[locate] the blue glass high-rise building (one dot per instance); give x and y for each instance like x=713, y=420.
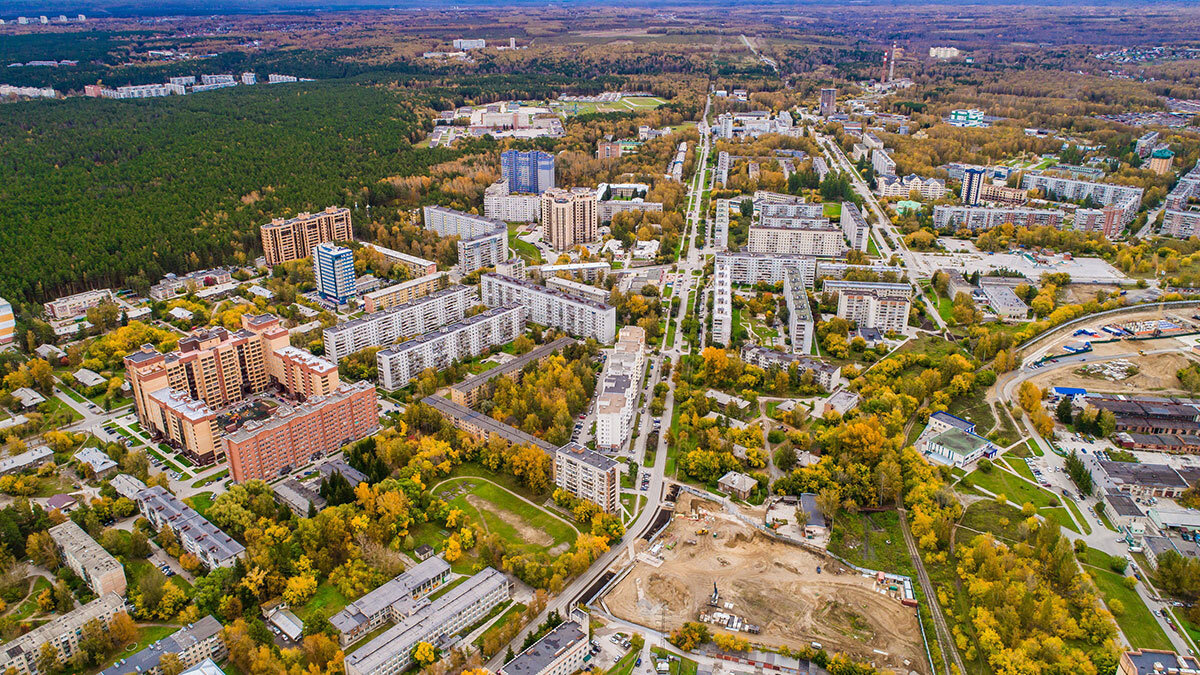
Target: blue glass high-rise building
x=333, y=267
x=531, y=171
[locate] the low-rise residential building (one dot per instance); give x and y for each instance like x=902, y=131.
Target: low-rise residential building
x=1004, y=302
x=738, y=484
x=405, y=291
x=87, y=559
x=823, y=373
x=76, y=305
x=801, y=326
x=872, y=304
x=476, y=388
x=193, y=644
x=299, y=498
x=63, y=632
x=550, y=307
x=206, y=541
x=588, y=475
x=100, y=464
x=402, y=321
x=897, y=186
x=434, y=622
x=127, y=486
x=483, y=426
x=559, y=652
x=295, y=435
x=392, y=602
x=172, y=284
x=401, y=364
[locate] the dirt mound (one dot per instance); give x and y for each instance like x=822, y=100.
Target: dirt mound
x=738, y=538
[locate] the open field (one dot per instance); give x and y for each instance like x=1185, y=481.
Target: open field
x=771, y=584
x=502, y=512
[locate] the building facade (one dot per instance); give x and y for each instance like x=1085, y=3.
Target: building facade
x=619, y=386
x=854, y=227
x=333, y=268
x=403, y=363
x=588, y=475
x=801, y=326
x=722, y=311
x=87, y=559
x=64, y=633
x=484, y=251
x=879, y=305
x=501, y=204
x=569, y=217
x=294, y=238
x=77, y=304
x=206, y=541
x=549, y=307
x=531, y=172
x=392, y=602
x=976, y=218
x=802, y=237
x=402, y=321
x=405, y=291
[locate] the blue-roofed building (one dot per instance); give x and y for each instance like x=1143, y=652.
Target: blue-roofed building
x=1059, y=392
x=950, y=439
x=943, y=421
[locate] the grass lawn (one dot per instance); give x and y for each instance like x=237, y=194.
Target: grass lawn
x=515, y=610
x=1034, y=448
x=679, y=666
x=29, y=607
x=1019, y=466
x=1018, y=491
x=1000, y=520
x=368, y=637
x=523, y=248
x=833, y=210
x=874, y=541
x=1087, y=527
x=625, y=665
x=211, y=479
x=493, y=514
x=872, y=249
x=200, y=502
x=1181, y=620
x=326, y=601
x=1136, y=622
x=54, y=405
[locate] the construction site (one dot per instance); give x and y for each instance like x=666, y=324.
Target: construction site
x=708, y=565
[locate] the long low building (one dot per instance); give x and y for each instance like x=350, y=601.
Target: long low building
x=574, y=314
x=403, y=363
x=1140, y=480
x=483, y=426
x=977, y=218
x=823, y=373
x=418, y=266
x=470, y=391
x=63, y=632
x=87, y=559
x=402, y=321
x=392, y=602
x=199, y=537
x=746, y=268
x=437, y=622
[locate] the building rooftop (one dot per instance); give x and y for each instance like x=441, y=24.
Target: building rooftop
x=126, y=485
x=562, y=295
x=582, y=454
x=1123, y=505
x=69, y=536
x=72, y=621
x=444, y=331
x=543, y=653
x=958, y=441
x=488, y=424
x=513, y=366
x=1145, y=475
x=96, y=459
x=1159, y=662
x=953, y=420
x=285, y=413
x=735, y=480
x=186, y=522
x=399, y=590
x=398, y=309
x=188, y=407
x=351, y=474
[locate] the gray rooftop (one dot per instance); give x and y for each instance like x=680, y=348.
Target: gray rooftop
x=398, y=309
x=1145, y=475
x=490, y=425
x=397, y=591
x=186, y=522
x=444, y=331
x=542, y=653
x=582, y=454
x=515, y=365
x=1148, y=661
x=554, y=292
x=1123, y=505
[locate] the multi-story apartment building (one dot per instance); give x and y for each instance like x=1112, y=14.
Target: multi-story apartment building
x=1146, y=144
x=747, y=268
x=1106, y=221
x=1126, y=198
x=501, y=204
x=62, y=632
x=403, y=363
x=976, y=218
x=620, y=384
x=721, y=176
x=880, y=305
x=405, y=291
x=770, y=211
x=333, y=268
x=206, y=541
x=576, y=288
x=829, y=269
x=1002, y=194
x=419, y=267
x=295, y=238
x=824, y=374
x=800, y=319
x=87, y=559
x=801, y=237
x=854, y=227
x=549, y=307
x=469, y=43
x=882, y=163
x=560, y=652
x=461, y=606
x=972, y=185
x=192, y=644
x=476, y=388
x=588, y=271
x=902, y=187
x=451, y=223
x=412, y=318
x=1181, y=218
x=392, y=602
x=296, y=435
x=531, y=171
x=569, y=217
x=588, y=475
x=486, y=250
x=8, y=322
x=722, y=311
x=172, y=284
x=76, y=305
x=828, y=101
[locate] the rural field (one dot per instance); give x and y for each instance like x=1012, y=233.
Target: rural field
x=768, y=583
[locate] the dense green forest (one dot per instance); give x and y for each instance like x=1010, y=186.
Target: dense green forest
x=95, y=191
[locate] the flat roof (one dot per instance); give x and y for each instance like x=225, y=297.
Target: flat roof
x=535, y=288
x=1147, y=475
x=959, y=441
x=579, y=452
x=489, y=424
x=1123, y=505
x=543, y=653
x=514, y=365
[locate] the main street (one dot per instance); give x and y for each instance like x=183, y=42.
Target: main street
x=574, y=592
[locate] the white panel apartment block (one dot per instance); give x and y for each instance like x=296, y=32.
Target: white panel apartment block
x=403, y=363
x=412, y=318
x=576, y=315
